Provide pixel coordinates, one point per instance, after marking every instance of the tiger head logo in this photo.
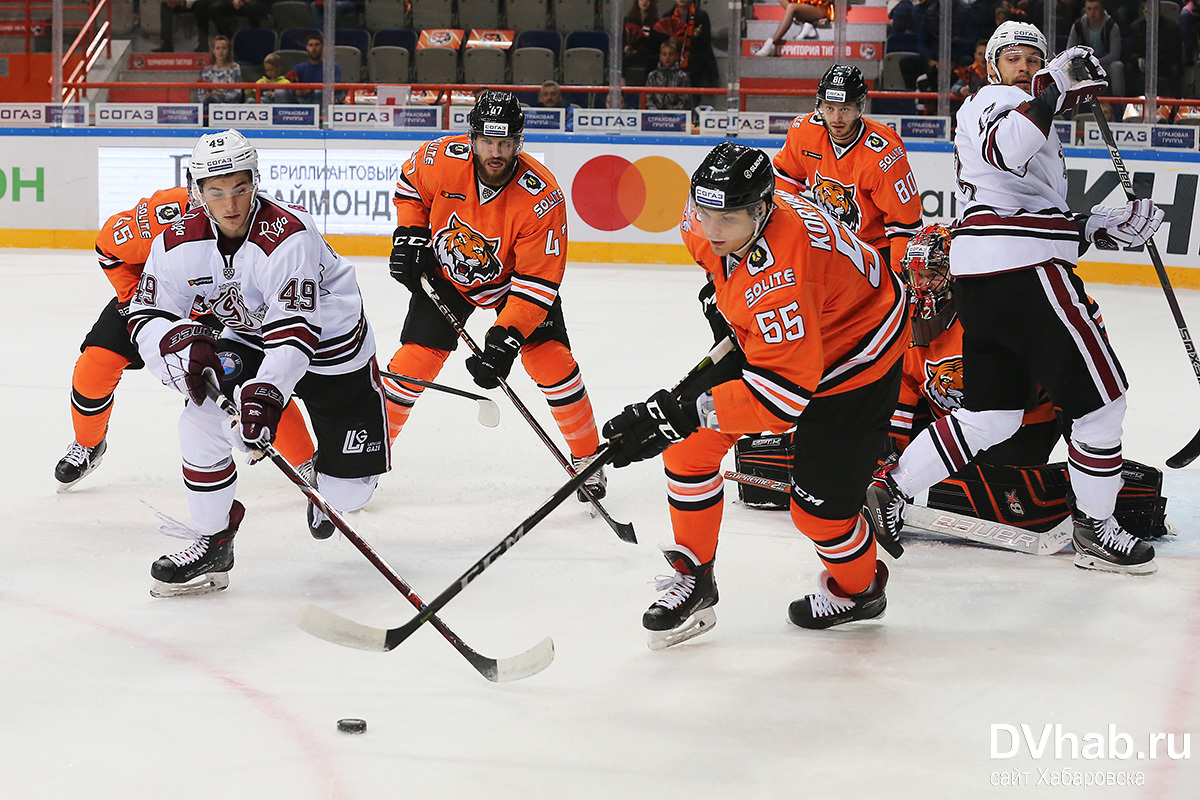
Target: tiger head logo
(838, 199)
(468, 256)
(944, 383)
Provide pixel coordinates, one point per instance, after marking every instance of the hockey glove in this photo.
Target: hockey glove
(412, 255)
(500, 348)
(1131, 226)
(708, 304)
(262, 407)
(189, 350)
(1070, 85)
(646, 429)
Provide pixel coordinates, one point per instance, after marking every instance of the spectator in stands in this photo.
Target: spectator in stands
(968, 79)
(902, 17)
(964, 32)
(1170, 57)
(222, 69)
(639, 53)
(272, 73)
(690, 26)
(807, 14)
(1189, 17)
(311, 71)
(668, 73)
(1097, 30)
(551, 96)
(224, 14)
(167, 12)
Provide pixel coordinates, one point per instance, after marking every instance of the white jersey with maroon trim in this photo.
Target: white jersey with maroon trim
(1012, 188)
(283, 290)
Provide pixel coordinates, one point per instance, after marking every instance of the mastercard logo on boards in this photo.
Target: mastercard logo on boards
(610, 193)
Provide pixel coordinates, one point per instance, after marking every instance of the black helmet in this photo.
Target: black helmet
(733, 176)
(496, 114)
(842, 83)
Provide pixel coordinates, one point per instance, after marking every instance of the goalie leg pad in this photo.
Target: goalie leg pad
(764, 456)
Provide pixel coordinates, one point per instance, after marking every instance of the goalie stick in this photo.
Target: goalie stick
(997, 534)
(381, 639)
(489, 412)
(326, 625)
(624, 530)
(1192, 449)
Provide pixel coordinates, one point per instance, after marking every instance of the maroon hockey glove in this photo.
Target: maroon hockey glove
(262, 407)
(412, 255)
(189, 350)
(646, 429)
(500, 348)
(1071, 85)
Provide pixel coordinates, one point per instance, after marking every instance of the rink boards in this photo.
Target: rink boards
(623, 193)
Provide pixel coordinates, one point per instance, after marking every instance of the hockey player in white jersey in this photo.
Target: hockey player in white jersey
(1026, 317)
(294, 324)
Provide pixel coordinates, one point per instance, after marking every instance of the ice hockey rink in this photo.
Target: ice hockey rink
(106, 692)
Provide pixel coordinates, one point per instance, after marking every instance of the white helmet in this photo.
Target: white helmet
(1012, 33)
(217, 154)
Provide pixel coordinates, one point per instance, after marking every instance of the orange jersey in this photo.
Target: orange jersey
(868, 187)
(935, 374)
(512, 245)
(123, 244)
(815, 311)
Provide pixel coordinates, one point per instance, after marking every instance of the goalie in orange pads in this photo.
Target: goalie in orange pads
(486, 223)
(122, 247)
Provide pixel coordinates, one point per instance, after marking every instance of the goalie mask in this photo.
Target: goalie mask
(926, 266)
(219, 154)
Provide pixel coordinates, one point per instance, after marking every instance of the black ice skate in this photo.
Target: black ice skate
(78, 463)
(596, 485)
(833, 606)
(686, 609)
(884, 509)
(203, 567)
(1105, 545)
(319, 525)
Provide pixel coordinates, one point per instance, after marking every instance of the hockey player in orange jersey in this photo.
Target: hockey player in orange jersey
(820, 320)
(487, 224)
(856, 168)
(122, 247)
(932, 385)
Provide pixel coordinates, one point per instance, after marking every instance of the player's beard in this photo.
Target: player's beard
(494, 178)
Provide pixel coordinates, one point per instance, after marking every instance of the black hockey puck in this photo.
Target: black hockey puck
(352, 725)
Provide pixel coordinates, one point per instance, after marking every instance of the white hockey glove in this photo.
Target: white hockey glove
(1071, 88)
(1131, 226)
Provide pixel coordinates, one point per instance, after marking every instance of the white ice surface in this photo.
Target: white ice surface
(108, 693)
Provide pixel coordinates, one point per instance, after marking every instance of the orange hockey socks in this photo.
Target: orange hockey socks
(415, 361)
(97, 373)
(547, 363)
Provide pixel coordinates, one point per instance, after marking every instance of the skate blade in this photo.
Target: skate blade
(205, 584)
(1086, 561)
(702, 621)
(62, 487)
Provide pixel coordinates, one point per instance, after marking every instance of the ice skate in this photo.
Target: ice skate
(686, 609)
(201, 568)
(1104, 545)
(596, 485)
(319, 525)
(834, 606)
(884, 509)
(767, 49)
(78, 463)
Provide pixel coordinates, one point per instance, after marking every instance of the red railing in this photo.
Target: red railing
(445, 89)
(92, 40)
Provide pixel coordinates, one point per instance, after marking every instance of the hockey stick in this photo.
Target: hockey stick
(489, 412)
(1192, 449)
(323, 624)
(996, 534)
(624, 530)
(388, 639)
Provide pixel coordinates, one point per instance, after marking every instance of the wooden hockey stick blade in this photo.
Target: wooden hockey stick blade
(996, 534)
(323, 624)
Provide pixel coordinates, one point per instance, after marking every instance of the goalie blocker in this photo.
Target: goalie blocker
(1035, 498)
